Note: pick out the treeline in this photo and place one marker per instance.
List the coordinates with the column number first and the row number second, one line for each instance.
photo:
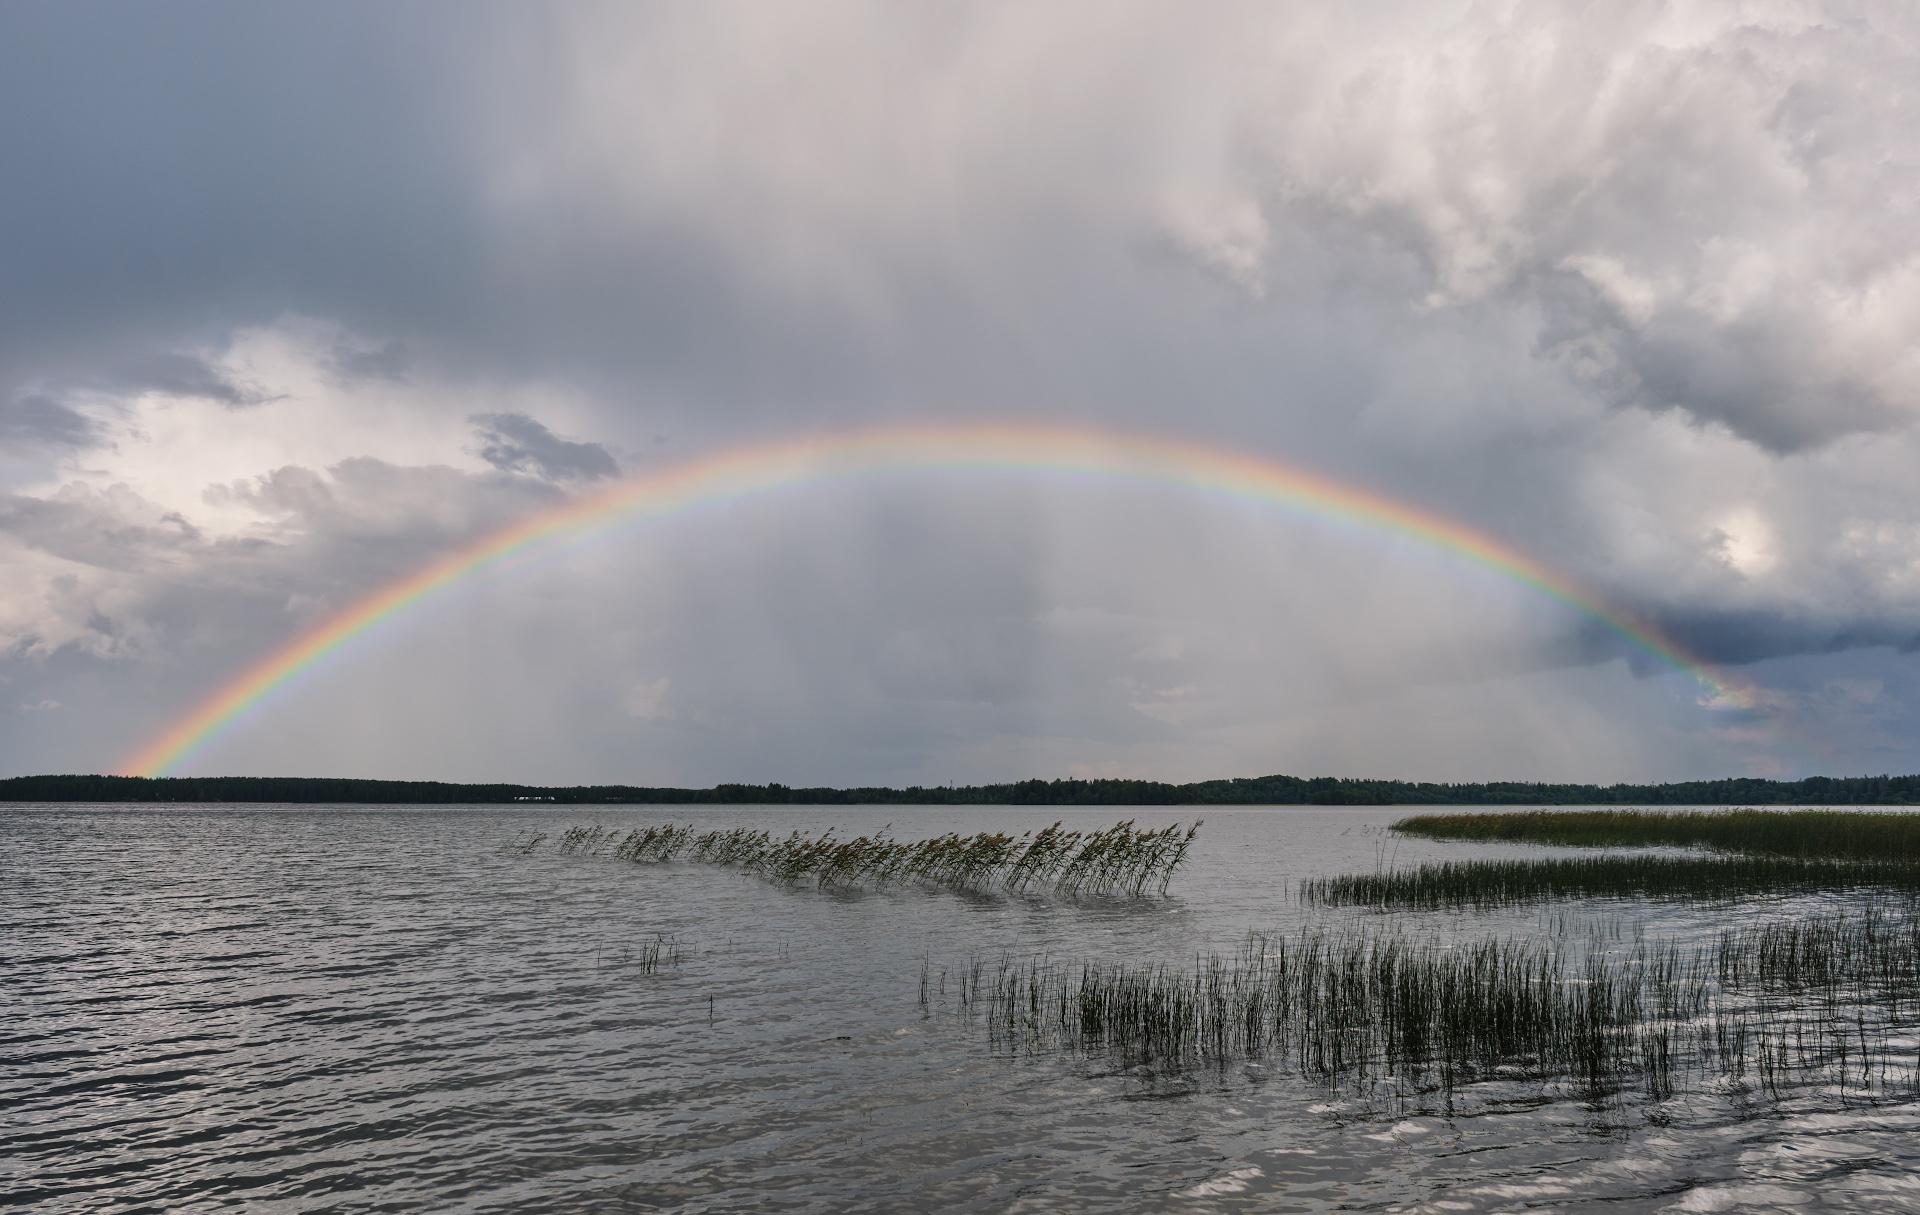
column 1248, row 791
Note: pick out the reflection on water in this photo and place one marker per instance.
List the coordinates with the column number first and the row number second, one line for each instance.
column 363, row 1007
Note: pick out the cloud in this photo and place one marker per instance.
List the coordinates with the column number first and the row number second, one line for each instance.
column 363, row 502
column 110, row 529
column 1700, row 212
column 33, row 418
column 1627, row 288
column 387, row 361
column 513, row 442
column 175, row 373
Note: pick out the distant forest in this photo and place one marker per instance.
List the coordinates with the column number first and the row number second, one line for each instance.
column 1248, row 791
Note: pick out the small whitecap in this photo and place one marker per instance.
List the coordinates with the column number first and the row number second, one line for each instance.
column 1523, row 1189
column 1230, row 1183
column 1401, row 1130
column 1740, row 1198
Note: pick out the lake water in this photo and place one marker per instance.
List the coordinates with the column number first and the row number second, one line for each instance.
column 359, row 1008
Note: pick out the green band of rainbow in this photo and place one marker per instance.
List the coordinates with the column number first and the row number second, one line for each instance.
column 998, row 446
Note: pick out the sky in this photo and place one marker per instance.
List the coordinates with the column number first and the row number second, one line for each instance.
column 296, row 299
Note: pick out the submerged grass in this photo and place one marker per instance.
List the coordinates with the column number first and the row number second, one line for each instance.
column 1853, row 834
column 660, row 952
column 1122, row 859
column 1824, row 1001
column 1486, row 884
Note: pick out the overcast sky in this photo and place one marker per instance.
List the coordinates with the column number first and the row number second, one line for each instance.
column 294, row 298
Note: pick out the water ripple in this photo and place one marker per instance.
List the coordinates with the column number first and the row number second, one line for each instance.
column 351, row 1008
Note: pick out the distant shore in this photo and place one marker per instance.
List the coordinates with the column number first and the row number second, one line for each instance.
column 1244, row 791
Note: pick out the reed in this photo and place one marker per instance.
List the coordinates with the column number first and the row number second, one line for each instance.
column 1355, row 1009
column 1875, row 949
column 524, row 843
column 1123, row 859
column 1486, row 884
column 1770, row 1008
column 656, row 954
column 1856, row 834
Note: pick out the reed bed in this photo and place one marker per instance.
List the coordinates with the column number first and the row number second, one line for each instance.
column 1849, row 834
column 1120, row 860
column 1356, row 1008
column 1875, row 950
column 1772, row 1008
column 1487, row 884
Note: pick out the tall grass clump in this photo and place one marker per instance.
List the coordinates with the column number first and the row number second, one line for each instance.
column 1875, row 950
column 1360, row 1007
column 1857, row 834
column 660, row 952
column 1768, row 1008
column 1486, row 884
column 1120, row 860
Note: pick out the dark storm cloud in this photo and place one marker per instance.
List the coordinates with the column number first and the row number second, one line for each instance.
column 514, row 192
column 217, row 164
column 210, row 164
column 514, row 442
column 34, row 418
column 1733, row 638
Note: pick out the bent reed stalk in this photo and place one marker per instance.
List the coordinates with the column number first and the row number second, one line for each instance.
column 1120, row 860
column 1487, row 884
column 1861, row 835
column 1775, row 1007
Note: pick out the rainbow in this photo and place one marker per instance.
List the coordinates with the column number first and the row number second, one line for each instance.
column 1020, row 447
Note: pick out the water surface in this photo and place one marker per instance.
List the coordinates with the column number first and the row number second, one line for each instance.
column 355, row 1008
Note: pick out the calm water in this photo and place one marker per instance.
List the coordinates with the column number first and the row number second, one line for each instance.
column 376, row 1009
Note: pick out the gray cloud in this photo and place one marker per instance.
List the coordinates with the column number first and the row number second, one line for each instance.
column 1757, row 376
column 1736, row 638
column 514, row 442
column 1633, row 294
column 387, row 361
column 1699, row 217
column 367, row 509
column 114, row 530
column 1666, row 239
column 34, row 418
column 182, row 375
column 205, row 168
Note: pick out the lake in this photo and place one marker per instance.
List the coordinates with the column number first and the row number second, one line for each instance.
column 355, row 1008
